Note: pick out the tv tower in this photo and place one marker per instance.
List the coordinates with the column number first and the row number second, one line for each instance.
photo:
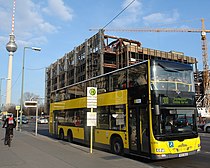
column 11, row 48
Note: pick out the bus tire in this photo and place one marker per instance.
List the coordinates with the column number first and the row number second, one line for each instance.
column 69, row 136
column 61, row 134
column 117, row 146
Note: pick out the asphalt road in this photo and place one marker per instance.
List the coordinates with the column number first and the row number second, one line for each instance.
column 30, row 127
column 195, row 161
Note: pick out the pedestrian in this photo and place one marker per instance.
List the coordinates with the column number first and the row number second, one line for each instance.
column 9, row 124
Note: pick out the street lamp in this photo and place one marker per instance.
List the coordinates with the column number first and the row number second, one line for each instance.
column 21, row 100
column 0, row 90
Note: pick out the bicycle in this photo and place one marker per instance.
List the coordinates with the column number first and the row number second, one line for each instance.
column 8, row 138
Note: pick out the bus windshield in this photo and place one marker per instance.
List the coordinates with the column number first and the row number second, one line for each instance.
column 175, row 123
column 172, row 76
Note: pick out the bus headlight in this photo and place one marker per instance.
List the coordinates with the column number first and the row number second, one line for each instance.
column 160, row 150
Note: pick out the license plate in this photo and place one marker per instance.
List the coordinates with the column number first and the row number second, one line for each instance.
column 183, row 154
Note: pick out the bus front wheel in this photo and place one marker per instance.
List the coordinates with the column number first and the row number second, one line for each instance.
column 69, row 136
column 117, row 146
column 61, row 135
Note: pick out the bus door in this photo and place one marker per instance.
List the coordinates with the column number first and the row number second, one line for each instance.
column 55, row 123
column 139, row 130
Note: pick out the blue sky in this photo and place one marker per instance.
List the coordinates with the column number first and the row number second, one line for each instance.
column 57, row 26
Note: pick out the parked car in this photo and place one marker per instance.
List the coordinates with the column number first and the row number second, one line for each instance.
column 206, row 127
column 24, row 120
column 43, row 121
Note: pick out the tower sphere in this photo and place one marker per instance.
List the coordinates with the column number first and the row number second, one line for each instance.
column 11, row 45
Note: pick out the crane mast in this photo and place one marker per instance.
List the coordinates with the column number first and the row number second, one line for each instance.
column 205, row 66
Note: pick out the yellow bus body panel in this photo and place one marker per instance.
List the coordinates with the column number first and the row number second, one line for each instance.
column 175, row 146
column 104, row 136
column 112, row 98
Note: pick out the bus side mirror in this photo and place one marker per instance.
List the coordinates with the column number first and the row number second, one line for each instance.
column 157, row 109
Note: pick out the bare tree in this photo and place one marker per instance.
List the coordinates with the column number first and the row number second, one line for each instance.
column 11, row 109
column 28, row 96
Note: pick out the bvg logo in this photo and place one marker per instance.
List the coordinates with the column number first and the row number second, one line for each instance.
column 171, row 144
column 92, row 91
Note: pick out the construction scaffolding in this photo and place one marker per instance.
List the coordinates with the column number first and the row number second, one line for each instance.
column 202, row 94
column 98, row 55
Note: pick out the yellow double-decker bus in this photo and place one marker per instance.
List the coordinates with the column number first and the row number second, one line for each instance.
column 147, row 109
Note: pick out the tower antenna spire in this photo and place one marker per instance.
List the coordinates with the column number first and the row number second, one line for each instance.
column 13, row 17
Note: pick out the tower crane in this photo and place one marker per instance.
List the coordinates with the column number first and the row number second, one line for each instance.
column 203, row 31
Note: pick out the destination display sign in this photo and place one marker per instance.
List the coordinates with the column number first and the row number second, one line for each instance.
column 176, row 101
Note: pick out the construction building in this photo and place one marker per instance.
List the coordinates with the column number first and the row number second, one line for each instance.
column 100, row 54
column 202, row 96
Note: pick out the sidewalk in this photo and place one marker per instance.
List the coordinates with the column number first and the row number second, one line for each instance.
column 29, row 151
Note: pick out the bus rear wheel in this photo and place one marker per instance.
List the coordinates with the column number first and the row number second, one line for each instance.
column 117, row 146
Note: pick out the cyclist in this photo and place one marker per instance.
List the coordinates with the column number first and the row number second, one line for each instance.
column 9, row 124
